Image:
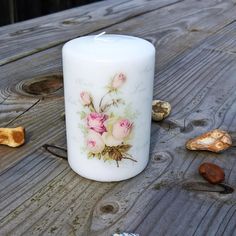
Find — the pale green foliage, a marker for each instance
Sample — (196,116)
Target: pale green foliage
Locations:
(82,115)
(83,129)
(129,113)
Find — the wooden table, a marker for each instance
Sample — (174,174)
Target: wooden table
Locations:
(195,72)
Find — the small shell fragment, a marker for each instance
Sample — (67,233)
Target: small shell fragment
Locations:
(160,110)
(12,137)
(214,141)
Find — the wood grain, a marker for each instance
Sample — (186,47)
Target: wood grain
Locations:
(39,193)
(49,62)
(45,32)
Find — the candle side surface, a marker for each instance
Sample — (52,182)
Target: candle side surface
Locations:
(108,84)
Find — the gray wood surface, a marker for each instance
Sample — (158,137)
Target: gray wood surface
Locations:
(45,32)
(196,71)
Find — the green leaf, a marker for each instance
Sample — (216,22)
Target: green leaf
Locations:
(115,154)
(90,155)
(82,115)
(83,129)
(104,152)
(98,155)
(129,113)
(124,148)
(111,115)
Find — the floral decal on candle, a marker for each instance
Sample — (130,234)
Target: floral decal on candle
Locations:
(108,134)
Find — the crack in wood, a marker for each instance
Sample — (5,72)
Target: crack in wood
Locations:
(4,99)
(17,117)
(56,150)
(206,187)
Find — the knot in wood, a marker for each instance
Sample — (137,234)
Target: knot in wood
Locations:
(44,85)
(200,123)
(161,157)
(109,208)
(157,157)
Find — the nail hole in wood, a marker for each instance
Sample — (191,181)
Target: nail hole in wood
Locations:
(43,85)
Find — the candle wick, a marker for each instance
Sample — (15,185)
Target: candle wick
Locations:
(97,36)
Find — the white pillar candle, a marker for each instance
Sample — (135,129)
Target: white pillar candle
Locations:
(108,82)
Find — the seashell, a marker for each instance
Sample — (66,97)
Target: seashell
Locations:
(160,110)
(214,141)
(12,137)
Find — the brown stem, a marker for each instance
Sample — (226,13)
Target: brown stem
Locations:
(114,102)
(92,107)
(102,109)
(127,154)
(130,159)
(100,103)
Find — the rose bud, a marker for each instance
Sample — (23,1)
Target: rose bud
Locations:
(118,81)
(122,129)
(85,98)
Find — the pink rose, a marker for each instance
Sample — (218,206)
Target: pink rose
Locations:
(122,129)
(109,140)
(118,81)
(95,121)
(94,142)
(85,98)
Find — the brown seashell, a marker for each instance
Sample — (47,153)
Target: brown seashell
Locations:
(212,173)
(12,137)
(160,110)
(214,141)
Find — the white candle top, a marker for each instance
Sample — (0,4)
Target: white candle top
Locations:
(109,47)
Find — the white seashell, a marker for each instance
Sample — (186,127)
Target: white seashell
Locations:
(160,110)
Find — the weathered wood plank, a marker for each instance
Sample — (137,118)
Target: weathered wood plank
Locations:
(193,208)
(179,26)
(42,123)
(150,198)
(156,202)
(166,38)
(224,41)
(45,32)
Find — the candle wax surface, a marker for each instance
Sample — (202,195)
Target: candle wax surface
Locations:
(109,47)
(108,85)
